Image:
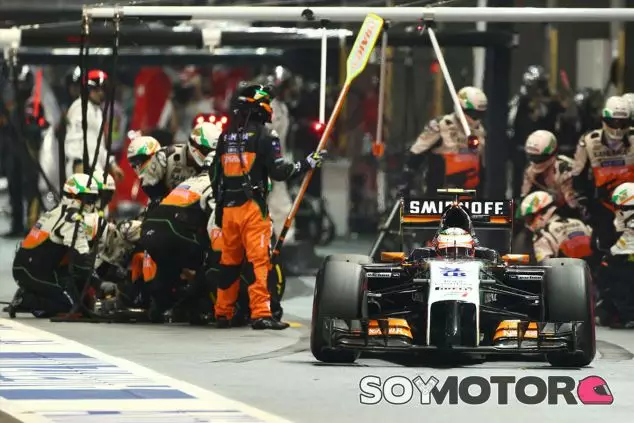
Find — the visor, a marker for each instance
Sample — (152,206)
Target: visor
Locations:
(475,114)
(138,161)
(617,123)
(539,158)
(456,252)
(88,198)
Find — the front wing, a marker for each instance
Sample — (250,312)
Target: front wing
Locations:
(549,337)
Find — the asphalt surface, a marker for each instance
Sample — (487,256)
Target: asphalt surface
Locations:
(275,371)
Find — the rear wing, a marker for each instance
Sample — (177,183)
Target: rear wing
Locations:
(427,213)
(492,220)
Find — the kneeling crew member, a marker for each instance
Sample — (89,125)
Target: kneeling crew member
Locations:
(174,233)
(49,268)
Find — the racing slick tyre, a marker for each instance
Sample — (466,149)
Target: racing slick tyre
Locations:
(338,294)
(568,298)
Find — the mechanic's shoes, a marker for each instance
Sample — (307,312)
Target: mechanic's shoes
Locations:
(223,322)
(268,323)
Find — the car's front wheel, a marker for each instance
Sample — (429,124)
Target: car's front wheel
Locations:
(338,299)
(568,298)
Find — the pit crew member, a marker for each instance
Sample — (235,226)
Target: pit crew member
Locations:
(49,268)
(615,306)
(161,171)
(452,162)
(550,172)
(604,159)
(248,154)
(554,235)
(174,233)
(74,143)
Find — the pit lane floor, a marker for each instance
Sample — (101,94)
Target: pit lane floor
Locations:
(275,371)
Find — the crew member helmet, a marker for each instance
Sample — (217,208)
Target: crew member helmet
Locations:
(203,141)
(616,117)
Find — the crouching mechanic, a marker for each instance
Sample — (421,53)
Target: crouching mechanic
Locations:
(54,261)
(162,169)
(554,235)
(174,234)
(453,162)
(616,291)
(248,154)
(551,173)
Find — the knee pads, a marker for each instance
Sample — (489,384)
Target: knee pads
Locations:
(227,275)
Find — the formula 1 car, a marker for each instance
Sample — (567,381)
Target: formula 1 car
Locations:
(482,303)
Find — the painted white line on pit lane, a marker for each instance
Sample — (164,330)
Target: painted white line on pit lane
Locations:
(45,378)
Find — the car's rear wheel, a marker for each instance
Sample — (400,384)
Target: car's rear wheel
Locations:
(568,298)
(338,301)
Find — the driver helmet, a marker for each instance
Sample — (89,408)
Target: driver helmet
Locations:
(203,141)
(455,242)
(540,148)
(623,200)
(474,103)
(537,208)
(140,151)
(616,117)
(81,188)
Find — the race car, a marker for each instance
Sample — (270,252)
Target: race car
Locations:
(456,296)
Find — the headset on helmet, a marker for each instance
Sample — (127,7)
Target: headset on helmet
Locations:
(203,141)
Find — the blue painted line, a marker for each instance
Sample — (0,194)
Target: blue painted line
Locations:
(91,394)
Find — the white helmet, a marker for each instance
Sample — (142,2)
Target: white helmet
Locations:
(616,117)
(629,97)
(473,102)
(536,209)
(540,146)
(106,188)
(77,188)
(140,151)
(623,199)
(203,141)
